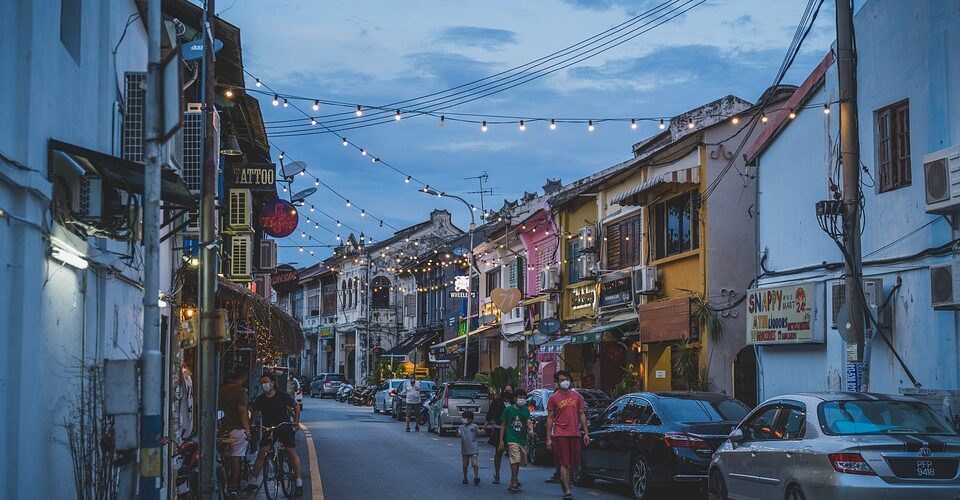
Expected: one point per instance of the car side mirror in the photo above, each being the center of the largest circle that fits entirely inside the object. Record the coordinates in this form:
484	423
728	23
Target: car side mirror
736	436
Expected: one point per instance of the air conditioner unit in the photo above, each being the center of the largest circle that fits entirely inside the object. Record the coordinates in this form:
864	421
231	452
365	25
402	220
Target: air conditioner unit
645	280
588	265
548	309
192	218
171	153
134	110
261	284
240	261
945	286
941	180
192	146
588	239
238	210
872	288
548	278
268	255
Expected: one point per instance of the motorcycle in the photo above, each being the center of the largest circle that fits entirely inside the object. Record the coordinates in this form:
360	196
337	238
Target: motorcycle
344	393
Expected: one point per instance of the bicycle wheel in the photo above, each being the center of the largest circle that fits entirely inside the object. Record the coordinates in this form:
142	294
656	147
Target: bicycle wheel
285	471
271	478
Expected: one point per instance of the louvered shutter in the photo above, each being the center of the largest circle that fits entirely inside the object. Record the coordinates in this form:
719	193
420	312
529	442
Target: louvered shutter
240	256
135	104
239	213
513	273
192	147
612	240
573	260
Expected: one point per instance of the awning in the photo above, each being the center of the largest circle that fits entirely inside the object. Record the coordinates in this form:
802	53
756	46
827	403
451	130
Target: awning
637	194
535	300
596	334
123	174
446	358
276	331
409	344
555	346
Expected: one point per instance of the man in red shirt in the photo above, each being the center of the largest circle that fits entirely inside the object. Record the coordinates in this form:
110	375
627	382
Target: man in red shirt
565	410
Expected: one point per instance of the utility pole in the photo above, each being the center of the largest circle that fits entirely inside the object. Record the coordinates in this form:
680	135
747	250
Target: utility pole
151	458
850	159
209	361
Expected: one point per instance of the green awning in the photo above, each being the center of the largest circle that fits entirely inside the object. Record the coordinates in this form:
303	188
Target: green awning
596	334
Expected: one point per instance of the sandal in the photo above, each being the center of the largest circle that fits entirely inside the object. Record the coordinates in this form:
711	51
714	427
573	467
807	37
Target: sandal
568	496
513	489
408	429
496	479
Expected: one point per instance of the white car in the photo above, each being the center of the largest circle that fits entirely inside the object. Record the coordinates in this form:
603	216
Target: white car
834	446
383	401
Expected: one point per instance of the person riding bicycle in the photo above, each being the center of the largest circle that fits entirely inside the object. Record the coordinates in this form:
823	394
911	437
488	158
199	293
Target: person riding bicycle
276	407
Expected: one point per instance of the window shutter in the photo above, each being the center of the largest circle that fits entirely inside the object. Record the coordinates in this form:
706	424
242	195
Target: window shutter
513	273
239	215
613	246
240	256
135	104
573	260
192	147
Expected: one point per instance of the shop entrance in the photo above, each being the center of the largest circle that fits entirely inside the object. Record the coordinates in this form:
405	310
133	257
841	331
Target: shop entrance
745	376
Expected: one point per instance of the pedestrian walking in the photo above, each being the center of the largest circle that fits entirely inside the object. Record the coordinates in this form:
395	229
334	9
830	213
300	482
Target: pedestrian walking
516	427
412	397
469	446
236	423
276	408
565	410
492	425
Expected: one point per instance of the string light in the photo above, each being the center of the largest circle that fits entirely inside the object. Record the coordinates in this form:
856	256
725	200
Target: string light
363	213
257	83
763	118
553	124
316	105
228	93
483	127
313	121
374	159
443	120
590	126
735	120
348	203
690	125
338	223
826	108
345	142
286	103
522	126
363	152
793	114
276	100
439	195
359	111
633	123
407	180
281	156
662	125
426	188
397	116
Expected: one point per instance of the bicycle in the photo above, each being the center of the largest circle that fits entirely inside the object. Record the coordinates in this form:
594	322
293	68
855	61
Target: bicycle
277	472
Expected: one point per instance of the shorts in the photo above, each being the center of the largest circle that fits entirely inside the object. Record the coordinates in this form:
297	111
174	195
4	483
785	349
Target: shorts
238	443
566	451
470	460
285	435
517	453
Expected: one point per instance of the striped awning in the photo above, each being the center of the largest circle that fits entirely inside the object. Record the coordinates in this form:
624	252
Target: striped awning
637	194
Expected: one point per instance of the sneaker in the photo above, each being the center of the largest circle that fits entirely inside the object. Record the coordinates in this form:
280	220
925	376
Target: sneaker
298	492
496	480
476	480
465	481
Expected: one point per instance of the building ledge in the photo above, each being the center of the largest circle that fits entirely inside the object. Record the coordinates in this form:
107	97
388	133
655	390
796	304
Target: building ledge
674	258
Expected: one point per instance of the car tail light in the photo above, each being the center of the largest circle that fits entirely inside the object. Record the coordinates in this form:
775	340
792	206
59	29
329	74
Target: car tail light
393	393
446	399
327	383
682	440
850	463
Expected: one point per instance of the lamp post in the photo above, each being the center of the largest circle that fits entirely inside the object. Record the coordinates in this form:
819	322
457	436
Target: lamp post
473	227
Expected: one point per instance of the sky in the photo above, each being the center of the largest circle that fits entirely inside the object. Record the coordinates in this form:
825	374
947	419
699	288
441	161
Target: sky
377	52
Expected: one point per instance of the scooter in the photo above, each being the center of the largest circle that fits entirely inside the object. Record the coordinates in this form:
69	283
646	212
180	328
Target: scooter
344	393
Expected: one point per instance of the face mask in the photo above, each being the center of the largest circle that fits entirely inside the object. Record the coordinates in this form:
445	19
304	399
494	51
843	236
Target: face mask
465	421
522	401
266	387
565	384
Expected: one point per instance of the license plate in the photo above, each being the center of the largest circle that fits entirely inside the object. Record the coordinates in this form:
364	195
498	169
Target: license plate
924	468
468	408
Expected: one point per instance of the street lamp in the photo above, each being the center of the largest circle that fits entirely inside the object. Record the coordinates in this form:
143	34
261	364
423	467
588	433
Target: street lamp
473	227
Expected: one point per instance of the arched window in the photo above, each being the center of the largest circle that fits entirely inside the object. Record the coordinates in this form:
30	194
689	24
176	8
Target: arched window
356	291
343	294
380	295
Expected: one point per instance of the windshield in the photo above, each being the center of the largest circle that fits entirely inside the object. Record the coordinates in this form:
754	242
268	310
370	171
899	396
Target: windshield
595	399
427	386
880	417
696	410
467	392
336	377
395	383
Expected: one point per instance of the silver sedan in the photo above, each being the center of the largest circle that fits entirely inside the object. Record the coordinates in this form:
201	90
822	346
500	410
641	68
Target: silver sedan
838	445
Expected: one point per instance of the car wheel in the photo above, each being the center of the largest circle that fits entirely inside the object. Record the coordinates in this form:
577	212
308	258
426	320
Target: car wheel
794	492
580	476
640	478
716	486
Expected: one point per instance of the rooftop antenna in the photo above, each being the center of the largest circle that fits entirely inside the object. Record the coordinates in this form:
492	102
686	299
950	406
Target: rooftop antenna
483	177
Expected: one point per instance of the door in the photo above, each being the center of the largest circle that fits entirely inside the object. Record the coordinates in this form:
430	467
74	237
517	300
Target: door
597	455
741	465
777	457
745	376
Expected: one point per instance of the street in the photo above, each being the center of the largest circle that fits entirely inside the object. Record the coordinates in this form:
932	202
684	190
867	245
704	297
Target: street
366	455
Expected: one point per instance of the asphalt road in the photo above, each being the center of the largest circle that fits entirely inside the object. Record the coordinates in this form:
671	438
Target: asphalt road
363	455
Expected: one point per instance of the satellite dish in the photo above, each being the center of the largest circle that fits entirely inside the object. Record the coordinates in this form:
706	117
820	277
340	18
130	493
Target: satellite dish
538	339
293	168
549	326
300	196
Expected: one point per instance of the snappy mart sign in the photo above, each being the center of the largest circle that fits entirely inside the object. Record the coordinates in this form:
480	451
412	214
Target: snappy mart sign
784	315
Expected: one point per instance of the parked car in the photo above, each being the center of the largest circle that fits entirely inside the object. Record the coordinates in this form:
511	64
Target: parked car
383	401
838	445
452	399
326	384
427	389
653	439
595	401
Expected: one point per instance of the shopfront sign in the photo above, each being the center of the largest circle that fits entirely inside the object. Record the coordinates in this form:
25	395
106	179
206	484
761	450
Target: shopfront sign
616	292
326	332
583	297
782	315
285	279
253	176
279	218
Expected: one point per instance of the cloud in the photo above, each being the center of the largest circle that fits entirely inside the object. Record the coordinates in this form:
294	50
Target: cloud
447	69
610	4
465	146
474	36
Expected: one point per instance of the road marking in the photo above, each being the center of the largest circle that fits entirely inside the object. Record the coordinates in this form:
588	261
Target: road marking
316	485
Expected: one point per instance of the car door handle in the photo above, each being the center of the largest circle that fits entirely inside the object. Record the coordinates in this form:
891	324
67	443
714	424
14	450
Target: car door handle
753	454
789	454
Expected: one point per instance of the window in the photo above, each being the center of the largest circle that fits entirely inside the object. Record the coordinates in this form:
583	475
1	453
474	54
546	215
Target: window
493	280
791	424
637	412
623	243
381	293
70	22
760	425
676	225
329	300
298	303
612	415
573	260
516	270
892	126
313	303
847	418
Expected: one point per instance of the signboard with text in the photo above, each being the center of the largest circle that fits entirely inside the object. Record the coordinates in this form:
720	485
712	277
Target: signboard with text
617	291
252	176
783	315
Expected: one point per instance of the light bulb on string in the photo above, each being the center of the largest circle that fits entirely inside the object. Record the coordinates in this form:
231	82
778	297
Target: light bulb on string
363	152
345	142
522	126
316	105
359	111
763	118
228	93
316	182
338	223
397	116
348	203
690	124
286	103
483	127
313	121
442	120
301	249
439	195
426	188
553	124
311	208
374	159
793	114
662	124
363	213
338	237
735	120
633	123
826	108
303	173
276	100
284	189
281	155
407	180
590	126
257	83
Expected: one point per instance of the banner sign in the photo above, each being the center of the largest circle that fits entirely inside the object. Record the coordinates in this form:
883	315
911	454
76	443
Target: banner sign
253	176
616	292
583	297
781	315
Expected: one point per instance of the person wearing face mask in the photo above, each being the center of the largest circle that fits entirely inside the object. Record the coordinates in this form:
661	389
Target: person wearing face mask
565	409
492	427
514	435
276	408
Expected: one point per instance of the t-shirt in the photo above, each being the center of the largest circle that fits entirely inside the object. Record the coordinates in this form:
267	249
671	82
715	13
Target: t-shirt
565	406
412	392
468	439
515	424
495	412
231	397
276	409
